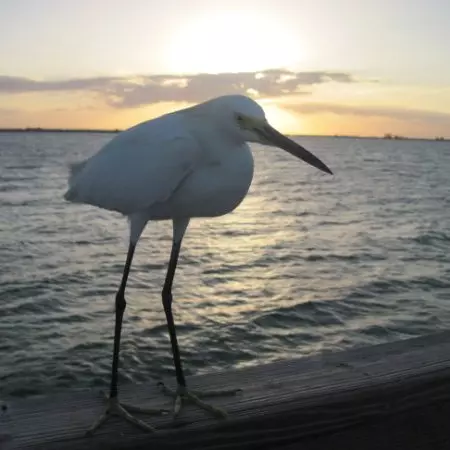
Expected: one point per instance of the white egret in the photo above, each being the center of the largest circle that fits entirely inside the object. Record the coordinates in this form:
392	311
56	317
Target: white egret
195	162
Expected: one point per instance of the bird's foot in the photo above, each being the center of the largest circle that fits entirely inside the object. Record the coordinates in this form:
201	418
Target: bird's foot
182	395
115	408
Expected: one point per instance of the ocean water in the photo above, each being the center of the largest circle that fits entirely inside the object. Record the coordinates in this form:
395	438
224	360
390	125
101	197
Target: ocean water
308	263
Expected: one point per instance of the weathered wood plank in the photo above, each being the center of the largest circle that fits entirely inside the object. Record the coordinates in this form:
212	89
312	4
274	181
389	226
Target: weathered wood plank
348	396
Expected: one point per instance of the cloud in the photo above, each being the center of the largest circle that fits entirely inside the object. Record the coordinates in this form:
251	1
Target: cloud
20	85
403	114
124	92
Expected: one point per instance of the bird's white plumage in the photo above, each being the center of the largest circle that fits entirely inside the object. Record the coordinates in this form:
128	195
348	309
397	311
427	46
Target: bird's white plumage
195	162
140	167
189	163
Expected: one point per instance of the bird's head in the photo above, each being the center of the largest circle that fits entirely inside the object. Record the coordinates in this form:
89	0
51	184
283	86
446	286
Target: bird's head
247	122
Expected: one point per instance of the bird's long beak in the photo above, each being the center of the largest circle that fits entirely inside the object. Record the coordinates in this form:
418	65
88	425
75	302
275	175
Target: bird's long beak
273	137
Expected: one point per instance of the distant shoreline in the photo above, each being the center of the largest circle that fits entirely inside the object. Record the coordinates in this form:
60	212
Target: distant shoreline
115	131
55	130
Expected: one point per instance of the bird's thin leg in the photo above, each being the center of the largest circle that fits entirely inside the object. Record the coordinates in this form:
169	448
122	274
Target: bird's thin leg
182	394
167	303
113	407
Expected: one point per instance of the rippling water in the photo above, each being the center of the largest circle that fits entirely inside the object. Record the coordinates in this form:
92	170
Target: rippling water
307	263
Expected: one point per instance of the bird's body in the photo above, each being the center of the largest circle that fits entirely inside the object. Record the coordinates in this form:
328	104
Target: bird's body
192	163
166	168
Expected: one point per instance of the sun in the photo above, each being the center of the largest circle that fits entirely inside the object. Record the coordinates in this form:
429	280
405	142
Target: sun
231	41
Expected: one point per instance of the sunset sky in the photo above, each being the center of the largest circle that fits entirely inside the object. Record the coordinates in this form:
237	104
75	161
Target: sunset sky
360	67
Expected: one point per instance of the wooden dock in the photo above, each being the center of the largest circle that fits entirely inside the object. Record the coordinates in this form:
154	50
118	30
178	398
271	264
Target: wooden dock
390	396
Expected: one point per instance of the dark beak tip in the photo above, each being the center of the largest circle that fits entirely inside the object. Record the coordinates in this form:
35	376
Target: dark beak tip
322	167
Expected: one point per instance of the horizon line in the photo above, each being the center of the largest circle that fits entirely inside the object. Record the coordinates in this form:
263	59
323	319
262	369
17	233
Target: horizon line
387	136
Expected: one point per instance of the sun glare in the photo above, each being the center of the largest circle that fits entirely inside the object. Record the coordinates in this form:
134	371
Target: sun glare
232	42
282	119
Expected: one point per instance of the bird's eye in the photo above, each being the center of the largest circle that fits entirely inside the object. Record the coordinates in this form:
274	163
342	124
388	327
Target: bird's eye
240	119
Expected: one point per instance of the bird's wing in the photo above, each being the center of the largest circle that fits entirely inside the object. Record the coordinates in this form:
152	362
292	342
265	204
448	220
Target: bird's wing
138	168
